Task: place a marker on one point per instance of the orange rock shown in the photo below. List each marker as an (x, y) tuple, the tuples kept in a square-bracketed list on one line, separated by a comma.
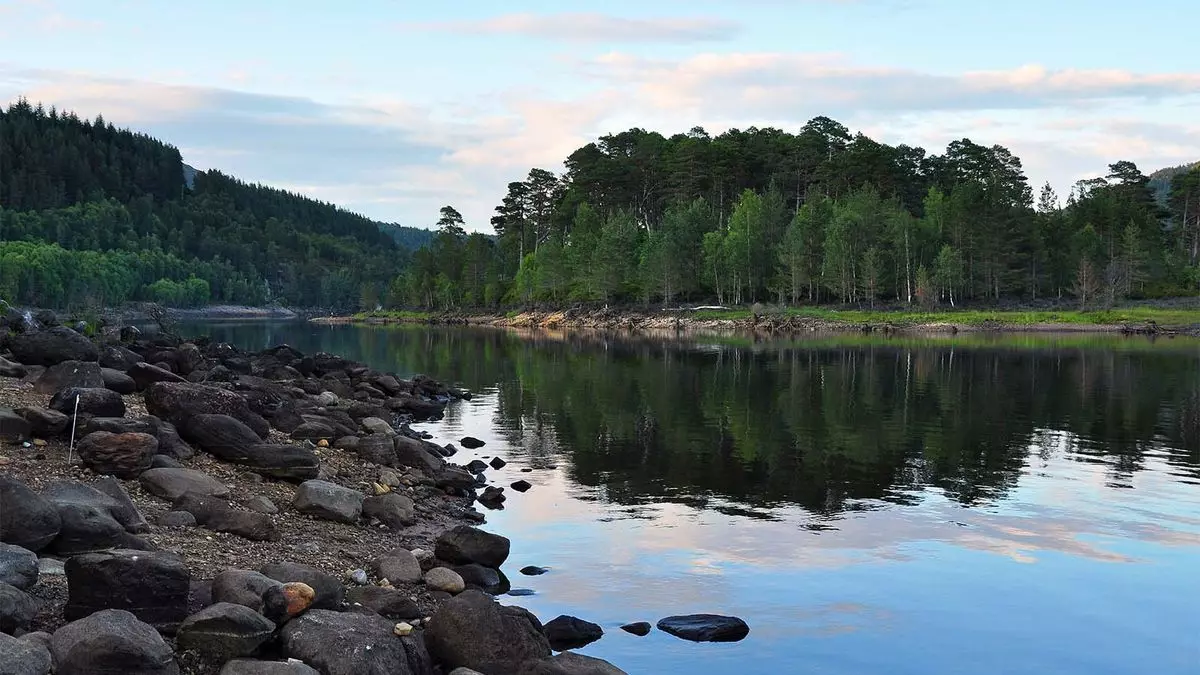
[(299, 596)]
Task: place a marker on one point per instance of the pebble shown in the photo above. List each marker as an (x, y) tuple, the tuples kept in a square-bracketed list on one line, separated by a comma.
[(403, 629), (358, 576)]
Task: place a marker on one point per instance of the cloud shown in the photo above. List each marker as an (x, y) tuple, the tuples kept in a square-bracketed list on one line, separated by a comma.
[(592, 27)]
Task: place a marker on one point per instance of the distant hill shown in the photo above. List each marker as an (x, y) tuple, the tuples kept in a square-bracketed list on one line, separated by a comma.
[(1160, 181), (411, 238)]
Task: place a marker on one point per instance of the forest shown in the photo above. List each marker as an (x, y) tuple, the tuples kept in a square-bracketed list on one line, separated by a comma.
[(820, 216), (93, 216)]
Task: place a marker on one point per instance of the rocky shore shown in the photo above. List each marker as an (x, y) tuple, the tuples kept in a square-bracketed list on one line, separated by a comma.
[(186, 507)]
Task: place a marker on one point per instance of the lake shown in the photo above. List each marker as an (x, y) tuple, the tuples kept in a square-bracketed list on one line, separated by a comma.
[(971, 504)]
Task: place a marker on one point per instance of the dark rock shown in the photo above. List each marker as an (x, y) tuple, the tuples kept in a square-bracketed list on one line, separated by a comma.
[(117, 425), (389, 384), (10, 369), (570, 663), (188, 357), (486, 579), (532, 571), (111, 642), (251, 667), (242, 587), (177, 519), (639, 628), (13, 427), (146, 374), (498, 463), (18, 566), (224, 631), (23, 656), (82, 374), (351, 443), (471, 443), (121, 455), (171, 484), (26, 519), (384, 601), (17, 609), (330, 501), (472, 630), (705, 627), (413, 453), (521, 486), (569, 632), (261, 504), (179, 402), (289, 462), (238, 364), (287, 601), (314, 431), (118, 381), (217, 515), (118, 358), (122, 507), (88, 527), (161, 461), (170, 443), (391, 509), (398, 566), (222, 436), (354, 644), (376, 449), (153, 586), (52, 346), (329, 590), (521, 592), (417, 408), (47, 318), (477, 466), (466, 544), (95, 402), (43, 422)]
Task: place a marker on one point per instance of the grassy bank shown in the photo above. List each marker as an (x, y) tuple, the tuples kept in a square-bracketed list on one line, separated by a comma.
[(974, 317)]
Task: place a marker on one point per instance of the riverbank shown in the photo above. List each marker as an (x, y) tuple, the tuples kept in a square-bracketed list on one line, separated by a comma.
[(264, 506), (1135, 320)]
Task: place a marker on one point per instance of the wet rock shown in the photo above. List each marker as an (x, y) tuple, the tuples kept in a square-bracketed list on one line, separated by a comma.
[(398, 566), (217, 515), (224, 631), (261, 504), (639, 628), (329, 591), (177, 519), (570, 663), (569, 632), (118, 381), (384, 601), (23, 656), (152, 586), (705, 627), (533, 571), (171, 484), (121, 455), (13, 427), (121, 506), (242, 587), (492, 497), (329, 501), (455, 480), (179, 402), (411, 452), (145, 374), (52, 346), (354, 644), (471, 443), (521, 486), (393, 510), (486, 579), (477, 466), (251, 667), (111, 642), (43, 422), (446, 580), (26, 519), (466, 544), (376, 449), (287, 601), (95, 402), (83, 374), (472, 630), (17, 609), (18, 566), (521, 592), (497, 463)]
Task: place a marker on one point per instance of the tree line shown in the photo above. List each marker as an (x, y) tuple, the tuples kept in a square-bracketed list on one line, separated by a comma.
[(819, 216)]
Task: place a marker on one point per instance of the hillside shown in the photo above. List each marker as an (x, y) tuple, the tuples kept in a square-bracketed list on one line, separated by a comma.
[(94, 216), (1160, 181)]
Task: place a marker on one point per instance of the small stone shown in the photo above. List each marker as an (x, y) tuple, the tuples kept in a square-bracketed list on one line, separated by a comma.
[(381, 489), (358, 576), (521, 486), (322, 443), (533, 571), (471, 443), (403, 629), (442, 579), (639, 628), (498, 463), (705, 627), (39, 443), (287, 601)]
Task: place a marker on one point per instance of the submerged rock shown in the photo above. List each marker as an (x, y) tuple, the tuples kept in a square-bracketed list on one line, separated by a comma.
[(639, 628), (705, 627), (569, 632)]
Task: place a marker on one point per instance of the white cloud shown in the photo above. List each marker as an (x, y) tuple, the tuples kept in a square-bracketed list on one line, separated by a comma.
[(593, 27)]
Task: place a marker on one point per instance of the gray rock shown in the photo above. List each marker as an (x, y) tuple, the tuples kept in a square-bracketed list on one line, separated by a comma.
[(118, 358), (51, 567), (91, 520), (261, 504), (376, 449), (447, 580), (118, 381), (43, 422), (486, 579), (472, 630), (172, 484), (121, 455), (327, 398), (242, 587), (18, 566), (10, 369), (153, 586), (161, 461), (569, 663), (330, 594), (354, 644), (375, 425), (179, 402), (13, 427), (465, 671), (111, 642), (414, 453), (147, 374), (705, 627), (358, 577), (177, 519), (217, 515), (391, 509), (52, 346), (224, 631), (387, 602), (223, 436), (26, 519), (17, 609), (23, 657), (123, 508), (251, 667), (569, 632), (466, 544), (329, 501), (97, 402), (69, 374), (398, 566)]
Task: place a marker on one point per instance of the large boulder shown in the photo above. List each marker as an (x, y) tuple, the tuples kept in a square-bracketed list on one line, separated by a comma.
[(145, 374), (13, 427), (288, 462), (224, 631), (117, 425), (23, 657), (705, 627), (329, 501), (569, 632), (339, 643), (472, 630), (121, 506), (242, 587), (466, 544), (98, 402), (329, 591), (111, 642), (52, 346), (252, 667), (419, 455), (43, 422), (179, 402), (10, 369), (26, 519), (376, 449), (121, 455), (387, 602), (118, 358), (570, 663), (223, 436), (17, 609), (84, 374), (153, 586), (18, 566), (395, 511), (118, 381), (171, 484), (217, 515)]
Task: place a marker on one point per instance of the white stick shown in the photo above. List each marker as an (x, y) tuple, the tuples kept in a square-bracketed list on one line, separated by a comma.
[(74, 419)]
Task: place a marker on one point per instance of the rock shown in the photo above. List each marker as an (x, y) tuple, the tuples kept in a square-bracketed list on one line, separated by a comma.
[(52, 346), (375, 425), (179, 402), (521, 486), (13, 427), (89, 525), (354, 644), (492, 497), (314, 431), (122, 507), (376, 449), (569, 632), (171, 484), (121, 455), (389, 384), (399, 567), (393, 510), (442, 579), (83, 374), (466, 544), (288, 462), (26, 519), (498, 463), (10, 369), (242, 587), (330, 501), (118, 381), (222, 436), (177, 519), (326, 399), (18, 566), (471, 443), (329, 591), (486, 579), (287, 601), (705, 627), (532, 571), (118, 358), (169, 442), (152, 586), (521, 592), (224, 631), (347, 443), (217, 515), (111, 642), (477, 466), (43, 422), (189, 358), (261, 504), (117, 425), (161, 461), (51, 567), (17, 609), (413, 453), (145, 375), (473, 630), (95, 402), (251, 667), (23, 656), (455, 479), (358, 576), (465, 671), (640, 628), (570, 663), (384, 601)]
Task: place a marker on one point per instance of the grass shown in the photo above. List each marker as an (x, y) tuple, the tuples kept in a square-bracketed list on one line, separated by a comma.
[(394, 315), (973, 317)]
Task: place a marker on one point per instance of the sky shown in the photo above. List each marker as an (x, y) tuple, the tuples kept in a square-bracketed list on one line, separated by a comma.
[(395, 108)]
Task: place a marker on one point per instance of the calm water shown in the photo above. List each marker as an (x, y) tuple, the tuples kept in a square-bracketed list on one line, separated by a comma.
[(974, 505)]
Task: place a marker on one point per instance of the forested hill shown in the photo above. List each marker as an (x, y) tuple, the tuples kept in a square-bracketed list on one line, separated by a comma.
[(92, 215), (821, 215)]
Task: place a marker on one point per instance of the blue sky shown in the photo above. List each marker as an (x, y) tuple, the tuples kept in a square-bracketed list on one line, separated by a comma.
[(395, 108)]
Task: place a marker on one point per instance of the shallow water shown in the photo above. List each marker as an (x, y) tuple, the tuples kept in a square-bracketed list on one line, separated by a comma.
[(985, 504)]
